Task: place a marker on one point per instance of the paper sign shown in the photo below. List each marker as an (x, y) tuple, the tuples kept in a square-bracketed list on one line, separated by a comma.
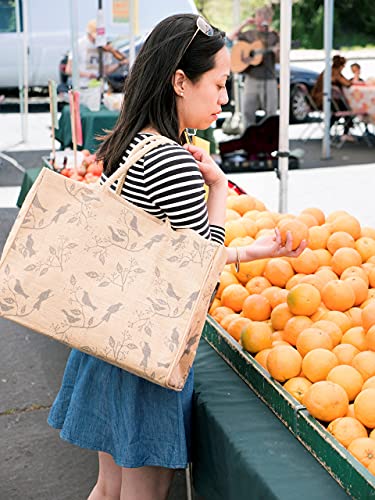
[(120, 11)]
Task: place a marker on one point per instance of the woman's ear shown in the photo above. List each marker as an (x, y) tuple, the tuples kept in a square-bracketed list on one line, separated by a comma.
[(178, 82)]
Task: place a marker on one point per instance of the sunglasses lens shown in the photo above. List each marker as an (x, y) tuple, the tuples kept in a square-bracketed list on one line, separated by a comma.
[(204, 26)]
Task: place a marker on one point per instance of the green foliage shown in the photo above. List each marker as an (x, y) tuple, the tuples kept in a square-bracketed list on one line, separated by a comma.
[(354, 20)]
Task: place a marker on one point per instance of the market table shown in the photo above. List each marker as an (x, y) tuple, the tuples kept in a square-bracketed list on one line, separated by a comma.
[(361, 99), (94, 123), (242, 451)]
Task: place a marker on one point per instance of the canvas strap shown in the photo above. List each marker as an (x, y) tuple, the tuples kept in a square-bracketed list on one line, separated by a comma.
[(140, 150)]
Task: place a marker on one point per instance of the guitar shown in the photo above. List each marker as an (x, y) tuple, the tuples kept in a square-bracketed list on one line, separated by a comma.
[(246, 54)]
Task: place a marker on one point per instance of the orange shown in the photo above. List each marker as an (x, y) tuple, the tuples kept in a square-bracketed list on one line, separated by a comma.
[(279, 342), (340, 318), (250, 226), (355, 336), (318, 237), (371, 293), (277, 335), (298, 230), (220, 312), (284, 362), (364, 407), (294, 326), (278, 271), (231, 214), (264, 221), (251, 214), (371, 277), (257, 284), (315, 212), (359, 288), (256, 307), (338, 295), (333, 330), (340, 240), (308, 219), (366, 247), (345, 353), (312, 279), (236, 326), (369, 384), (215, 303), (234, 229), (346, 429), (363, 450), (256, 336), (275, 295), (294, 280), (372, 434), (312, 338), (265, 232), (226, 278), (261, 357), (241, 241), (347, 223), (233, 296), (318, 363), (320, 312), (370, 338), (355, 316), (335, 214), (368, 316), (355, 271), (348, 377), (227, 319), (367, 267), (280, 315), (241, 203), (366, 303), (259, 205), (306, 263), (364, 362), (326, 275), (297, 387), (344, 258), (249, 269), (303, 299), (324, 256), (326, 401), (368, 231)]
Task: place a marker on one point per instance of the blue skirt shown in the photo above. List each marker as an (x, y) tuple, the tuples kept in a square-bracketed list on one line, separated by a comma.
[(104, 408)]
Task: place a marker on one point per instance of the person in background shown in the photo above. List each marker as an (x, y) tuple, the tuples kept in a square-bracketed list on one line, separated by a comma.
[(260, 90), (356, 70), (141, 430), (338, 101), (88, 57)]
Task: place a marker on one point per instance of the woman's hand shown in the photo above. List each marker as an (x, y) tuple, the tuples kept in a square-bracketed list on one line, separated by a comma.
[(211, 172), (272, 246)]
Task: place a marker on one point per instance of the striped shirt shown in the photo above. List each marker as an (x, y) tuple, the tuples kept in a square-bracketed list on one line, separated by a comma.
[(167, 183)]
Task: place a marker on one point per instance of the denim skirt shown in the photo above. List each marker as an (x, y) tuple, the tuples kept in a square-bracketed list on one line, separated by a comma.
[(104, 408)]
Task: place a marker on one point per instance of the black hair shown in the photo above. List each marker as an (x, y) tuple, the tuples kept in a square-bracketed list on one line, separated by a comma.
[(149, 98)]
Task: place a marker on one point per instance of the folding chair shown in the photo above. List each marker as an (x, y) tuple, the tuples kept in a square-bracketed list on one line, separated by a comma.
[(315, 115)]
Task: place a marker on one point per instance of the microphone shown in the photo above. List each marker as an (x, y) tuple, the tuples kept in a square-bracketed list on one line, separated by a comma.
[(265, 25)]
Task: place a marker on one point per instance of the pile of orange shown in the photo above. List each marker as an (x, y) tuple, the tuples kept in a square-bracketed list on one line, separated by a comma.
[(309, 321)]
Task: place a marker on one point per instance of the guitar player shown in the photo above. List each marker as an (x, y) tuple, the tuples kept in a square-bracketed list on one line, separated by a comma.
[(260, 91)]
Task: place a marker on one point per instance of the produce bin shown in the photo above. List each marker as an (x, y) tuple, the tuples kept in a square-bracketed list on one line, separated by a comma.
[(354, 478)]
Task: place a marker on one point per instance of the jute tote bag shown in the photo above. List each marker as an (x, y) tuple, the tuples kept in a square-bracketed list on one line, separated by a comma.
[(85, 267)]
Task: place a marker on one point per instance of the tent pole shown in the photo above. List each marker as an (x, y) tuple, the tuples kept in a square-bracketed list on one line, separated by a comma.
[(328, 36), (283, 153), (74, 44)]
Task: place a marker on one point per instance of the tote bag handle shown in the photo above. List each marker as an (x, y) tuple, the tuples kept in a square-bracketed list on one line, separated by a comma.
[(140, 150)]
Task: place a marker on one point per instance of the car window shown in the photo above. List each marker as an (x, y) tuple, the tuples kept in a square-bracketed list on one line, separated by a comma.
[(8, 15)]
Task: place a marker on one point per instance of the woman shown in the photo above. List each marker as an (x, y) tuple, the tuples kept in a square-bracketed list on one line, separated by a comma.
[(141, 430)]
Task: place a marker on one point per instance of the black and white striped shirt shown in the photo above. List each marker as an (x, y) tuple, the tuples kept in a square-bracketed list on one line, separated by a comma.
[(167, 183)]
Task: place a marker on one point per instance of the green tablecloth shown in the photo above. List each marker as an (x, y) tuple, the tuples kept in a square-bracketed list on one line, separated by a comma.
[(28, 180), (242, 451), (94, 123)]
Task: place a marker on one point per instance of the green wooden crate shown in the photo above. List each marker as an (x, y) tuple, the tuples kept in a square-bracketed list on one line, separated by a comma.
[(354, 478)]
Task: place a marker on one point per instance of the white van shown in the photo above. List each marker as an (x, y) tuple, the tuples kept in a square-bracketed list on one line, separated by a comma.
[(49, 32)]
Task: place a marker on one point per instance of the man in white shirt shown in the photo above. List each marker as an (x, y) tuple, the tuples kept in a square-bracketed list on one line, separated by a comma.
[(88, 57)]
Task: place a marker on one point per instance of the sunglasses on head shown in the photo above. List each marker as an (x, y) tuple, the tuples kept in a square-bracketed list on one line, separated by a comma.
[(204, 27)]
